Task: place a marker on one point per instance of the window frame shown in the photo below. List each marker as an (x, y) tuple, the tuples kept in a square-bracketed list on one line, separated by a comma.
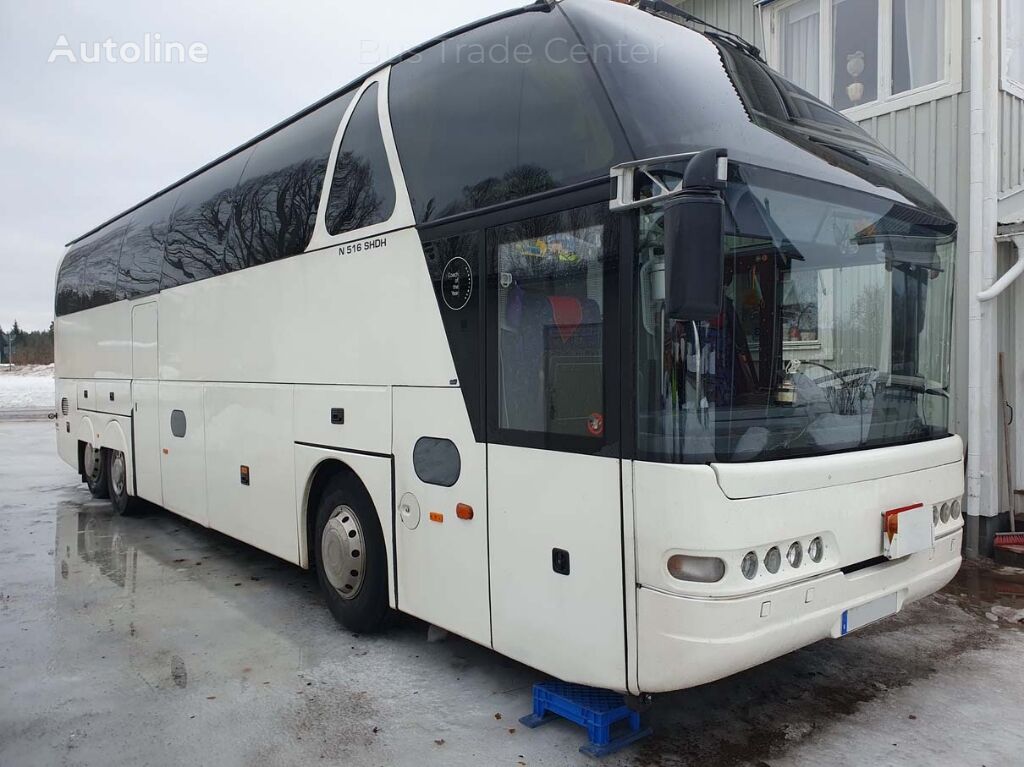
[(886, 101), (1007, 83), (401, 216)]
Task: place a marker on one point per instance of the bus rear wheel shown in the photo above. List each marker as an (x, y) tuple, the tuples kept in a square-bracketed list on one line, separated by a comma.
[(117, 482), (94, 471), (351, 561)]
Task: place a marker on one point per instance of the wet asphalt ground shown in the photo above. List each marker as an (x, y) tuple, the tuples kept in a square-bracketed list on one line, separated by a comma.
[(153, 641)]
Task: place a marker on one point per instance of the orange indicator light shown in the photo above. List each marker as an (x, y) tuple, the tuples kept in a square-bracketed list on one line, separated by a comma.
[(464, 511), (436, 516)]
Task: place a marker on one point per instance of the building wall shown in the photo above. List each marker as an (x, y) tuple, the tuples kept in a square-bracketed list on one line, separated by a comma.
[(1011, 123)]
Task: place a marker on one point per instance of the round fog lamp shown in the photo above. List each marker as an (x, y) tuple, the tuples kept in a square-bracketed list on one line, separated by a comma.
[(773, 559), (749, 565), (954, 509), (944, 512), (795, 555), (815, 550), (684, 567)]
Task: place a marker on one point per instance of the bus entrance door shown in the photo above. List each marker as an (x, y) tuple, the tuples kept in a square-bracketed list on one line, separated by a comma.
[(441, 512)]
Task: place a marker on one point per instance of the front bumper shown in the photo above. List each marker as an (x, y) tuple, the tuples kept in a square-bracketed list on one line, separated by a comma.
[(687, 641)]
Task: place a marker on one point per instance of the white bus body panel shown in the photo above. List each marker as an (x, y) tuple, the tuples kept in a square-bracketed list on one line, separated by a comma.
[(568, 626), (442, 563), (95, 343), (145, 341), (366, 317), (183, 459), (251, 425), (146, 419), (366, 411)]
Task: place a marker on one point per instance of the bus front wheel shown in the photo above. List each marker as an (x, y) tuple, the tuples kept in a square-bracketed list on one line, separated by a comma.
[(351, 560)]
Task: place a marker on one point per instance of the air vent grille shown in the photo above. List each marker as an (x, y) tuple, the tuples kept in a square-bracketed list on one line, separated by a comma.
[(64, 405)]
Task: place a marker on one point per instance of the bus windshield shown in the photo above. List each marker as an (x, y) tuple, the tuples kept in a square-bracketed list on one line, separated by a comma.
[(834, 334)]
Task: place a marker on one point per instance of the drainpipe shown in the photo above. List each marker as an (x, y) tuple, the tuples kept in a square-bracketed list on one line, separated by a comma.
[(982, 437)]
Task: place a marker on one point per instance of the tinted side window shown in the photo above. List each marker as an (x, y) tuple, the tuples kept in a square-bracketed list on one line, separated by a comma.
[(276, 201), (362, 191), (142, 255), (104, 250), (70, 279), (199, 226), (500, 112)]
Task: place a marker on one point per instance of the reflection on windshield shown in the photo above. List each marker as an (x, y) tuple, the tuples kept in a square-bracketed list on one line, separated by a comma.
[(834, 334)]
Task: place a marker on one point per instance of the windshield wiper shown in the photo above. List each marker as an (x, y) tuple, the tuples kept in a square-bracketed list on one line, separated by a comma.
[(660, 6)]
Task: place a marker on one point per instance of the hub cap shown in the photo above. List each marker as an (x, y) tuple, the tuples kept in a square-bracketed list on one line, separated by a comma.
[(342, 552), (117, 473), (91, 462)]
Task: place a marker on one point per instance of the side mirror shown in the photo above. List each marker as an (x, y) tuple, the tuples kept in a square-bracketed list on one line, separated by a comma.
[(694, 252)]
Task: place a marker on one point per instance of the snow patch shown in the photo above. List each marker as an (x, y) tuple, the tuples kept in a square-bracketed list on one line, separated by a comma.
[(26, 386)]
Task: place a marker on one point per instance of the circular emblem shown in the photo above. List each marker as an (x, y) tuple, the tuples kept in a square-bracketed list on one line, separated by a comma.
[(595, 424), (456, 283)]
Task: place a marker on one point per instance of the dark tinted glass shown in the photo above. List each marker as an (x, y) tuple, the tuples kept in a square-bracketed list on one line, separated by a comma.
[(500, 112), (677, 91), (362, 191), (437, 461), (142, 255), (275, 204), (70, 282), (199, 226), (103, 261)]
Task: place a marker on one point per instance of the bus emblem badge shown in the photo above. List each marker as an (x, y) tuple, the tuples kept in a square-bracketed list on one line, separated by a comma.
[(456, 283)]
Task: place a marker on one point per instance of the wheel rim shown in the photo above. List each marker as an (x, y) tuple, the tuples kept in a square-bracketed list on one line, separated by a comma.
[(91, 462), (118, 474), (342, 552)]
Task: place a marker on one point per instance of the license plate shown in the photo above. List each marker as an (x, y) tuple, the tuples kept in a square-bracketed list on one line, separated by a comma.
[(862, 615)]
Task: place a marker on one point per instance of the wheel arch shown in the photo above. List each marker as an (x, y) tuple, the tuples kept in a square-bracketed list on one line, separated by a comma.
[(323, 473)]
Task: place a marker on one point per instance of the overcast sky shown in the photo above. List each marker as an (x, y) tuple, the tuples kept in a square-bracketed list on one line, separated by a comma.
[(80, 142)]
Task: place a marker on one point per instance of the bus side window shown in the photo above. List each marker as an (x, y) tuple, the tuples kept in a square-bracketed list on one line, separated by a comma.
[(275, 203), (142, 255), (362, 190), (550, 275), (71, 282), (200, 224)]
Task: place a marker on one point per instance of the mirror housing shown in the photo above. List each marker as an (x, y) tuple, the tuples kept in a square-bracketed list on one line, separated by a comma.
[(694, 237)]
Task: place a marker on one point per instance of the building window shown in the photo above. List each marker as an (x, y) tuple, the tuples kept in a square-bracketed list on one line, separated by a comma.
[(867, 56), (1013, 46)]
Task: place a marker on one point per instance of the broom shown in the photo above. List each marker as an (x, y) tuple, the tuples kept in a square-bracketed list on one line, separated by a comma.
[(1012, 538)]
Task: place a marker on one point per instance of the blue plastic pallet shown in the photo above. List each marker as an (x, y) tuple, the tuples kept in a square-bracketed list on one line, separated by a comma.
[(597, 710)]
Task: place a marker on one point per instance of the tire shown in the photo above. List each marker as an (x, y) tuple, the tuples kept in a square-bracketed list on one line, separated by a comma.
[(351, 560), (117, 483), (94, 471)]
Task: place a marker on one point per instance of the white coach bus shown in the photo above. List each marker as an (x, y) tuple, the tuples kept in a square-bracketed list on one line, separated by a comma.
[(578, 332)]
